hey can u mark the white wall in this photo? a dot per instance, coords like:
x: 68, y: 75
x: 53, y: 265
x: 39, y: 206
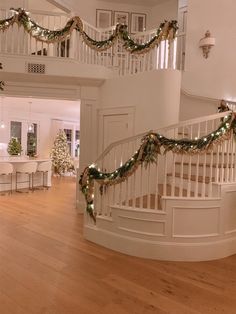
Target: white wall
x: 7, y: 4
x: 87, y: 9
x: 166, y: 10
x: 42, y: 5
x: 155, y: 95
x: 213, y: 77
x: 193, y: 107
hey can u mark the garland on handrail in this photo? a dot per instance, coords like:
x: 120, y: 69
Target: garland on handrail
x: 2, y: 83
x: 166, y: 31
x: 148, y: 153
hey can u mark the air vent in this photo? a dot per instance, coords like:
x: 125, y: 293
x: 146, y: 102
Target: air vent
x: 36, y: 68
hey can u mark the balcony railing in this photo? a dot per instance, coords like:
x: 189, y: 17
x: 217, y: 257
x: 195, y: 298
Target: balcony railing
x: 15, y: 41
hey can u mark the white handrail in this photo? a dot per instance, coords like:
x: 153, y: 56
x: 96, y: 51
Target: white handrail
x: 164, y: 129
x: 41, y: 12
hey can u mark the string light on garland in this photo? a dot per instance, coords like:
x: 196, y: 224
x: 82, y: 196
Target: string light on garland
x: 166, y: 31
x: 148, y: 152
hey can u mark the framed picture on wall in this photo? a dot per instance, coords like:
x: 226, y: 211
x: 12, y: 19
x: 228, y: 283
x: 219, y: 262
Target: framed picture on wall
x: 103, y: 18
x: 138, y: 22
x: 121, y: 17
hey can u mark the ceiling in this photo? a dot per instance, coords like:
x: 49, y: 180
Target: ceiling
x: 55, y: 108
x: 137, y: 2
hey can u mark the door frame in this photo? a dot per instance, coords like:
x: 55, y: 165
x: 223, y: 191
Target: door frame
x: 130, y: 111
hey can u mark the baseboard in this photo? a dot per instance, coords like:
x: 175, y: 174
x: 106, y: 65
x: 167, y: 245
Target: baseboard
x: 169, y: 251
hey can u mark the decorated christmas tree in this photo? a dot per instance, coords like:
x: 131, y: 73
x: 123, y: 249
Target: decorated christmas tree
x: 61, y: 159
x: 14, y: 147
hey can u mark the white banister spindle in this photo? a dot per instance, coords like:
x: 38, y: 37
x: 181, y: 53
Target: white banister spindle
x: 197, y: 177
x: 133, y: 189
x: 141, y: 186
x: 227, y: 172
x: 232, y: 159
x: 222, y: 162
x: 191, y: 166
x: 148, y: 185
x: 173, y: 176
x: 217, y: 163
x: 165, y: 176
x: 157, y: 186
x: 181, y: 176
x: 204, y: 178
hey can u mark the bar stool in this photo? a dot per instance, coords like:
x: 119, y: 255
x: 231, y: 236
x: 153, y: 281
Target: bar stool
x: 26, y: 168
x: 44, y: 168
x: 6, y: 169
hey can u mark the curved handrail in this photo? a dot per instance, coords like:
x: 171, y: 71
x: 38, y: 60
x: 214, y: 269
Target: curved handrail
x: 186, y: 93
x: 163, y: 129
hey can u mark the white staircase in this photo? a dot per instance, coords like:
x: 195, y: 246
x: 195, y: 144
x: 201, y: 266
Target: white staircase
x: 180, y: 208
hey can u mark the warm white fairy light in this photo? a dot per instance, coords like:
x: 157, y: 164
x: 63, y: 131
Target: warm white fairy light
x: 2, y: 125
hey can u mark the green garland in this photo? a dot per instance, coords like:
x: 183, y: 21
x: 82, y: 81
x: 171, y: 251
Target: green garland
x: 2, y: 83
x: 148, y: 153
x: 166, y: 31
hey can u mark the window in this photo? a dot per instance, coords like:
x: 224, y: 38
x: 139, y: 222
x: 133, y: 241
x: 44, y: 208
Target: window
x: 32, y: 141
x: 138, y: 22
x: 16, y: 128
x: 28, y: 139
x: 77, y: 142
x: 68, y: 133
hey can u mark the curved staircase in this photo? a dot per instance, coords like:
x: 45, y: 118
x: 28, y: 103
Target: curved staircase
x: 180, y: 208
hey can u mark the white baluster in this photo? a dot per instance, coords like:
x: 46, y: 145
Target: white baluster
x: 165, y: 176
x: 157, y: 185
x: 148, y: 173
x: 227, y: 172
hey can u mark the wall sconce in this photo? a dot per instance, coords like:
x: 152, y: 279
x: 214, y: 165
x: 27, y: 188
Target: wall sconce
x: 206, y: 43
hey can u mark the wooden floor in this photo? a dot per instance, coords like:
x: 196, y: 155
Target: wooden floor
x: 46, y: 267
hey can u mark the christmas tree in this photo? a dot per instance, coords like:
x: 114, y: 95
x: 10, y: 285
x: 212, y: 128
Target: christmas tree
x: 14, y: 147
x: 61, y: 159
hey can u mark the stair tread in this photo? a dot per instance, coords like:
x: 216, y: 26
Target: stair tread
x: 202, y: 164
x: 192, y: 177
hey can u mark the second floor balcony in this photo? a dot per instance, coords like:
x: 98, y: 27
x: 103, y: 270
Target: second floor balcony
x: 76, y: 47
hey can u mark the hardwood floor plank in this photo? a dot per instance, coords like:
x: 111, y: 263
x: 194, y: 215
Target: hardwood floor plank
x: 8, y: 306
x: 47, y: 267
